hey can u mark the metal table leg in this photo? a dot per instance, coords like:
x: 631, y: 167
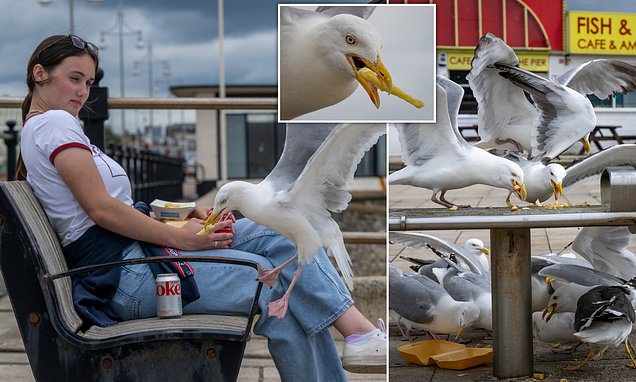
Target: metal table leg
x: 511, y: 302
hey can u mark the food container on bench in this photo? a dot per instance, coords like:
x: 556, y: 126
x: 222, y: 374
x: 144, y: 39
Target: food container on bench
x: 420, y: 352
x: 171, y: 210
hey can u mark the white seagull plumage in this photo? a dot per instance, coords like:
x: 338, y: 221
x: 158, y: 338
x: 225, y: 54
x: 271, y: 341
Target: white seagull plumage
x: 606, y: 249
x: 421, y: 303
x: 296, y: 198
x: 562, y: 114
x: 320, y: 54
x: 438, y: 158
x: 557, y: 117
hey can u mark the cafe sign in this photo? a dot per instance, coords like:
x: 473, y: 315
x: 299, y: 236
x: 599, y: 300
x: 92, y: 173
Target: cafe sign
x: 535, y: 61
x: 601, y: 33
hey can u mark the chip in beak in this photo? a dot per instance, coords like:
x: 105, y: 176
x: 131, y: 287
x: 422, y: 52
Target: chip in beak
x: 210, y: 221
x: 557, y: 189
x: 382, y: 74
x: 519, y: 189
x: 548, y: 312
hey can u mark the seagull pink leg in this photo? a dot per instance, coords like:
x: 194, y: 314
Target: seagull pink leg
x: 278, y: 308
x: 269, y: 276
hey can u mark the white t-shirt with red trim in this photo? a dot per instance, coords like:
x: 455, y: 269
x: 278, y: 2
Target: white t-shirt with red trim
x: 43, y: 137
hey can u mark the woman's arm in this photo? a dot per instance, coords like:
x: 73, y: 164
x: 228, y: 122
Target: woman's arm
x: 77, y: 168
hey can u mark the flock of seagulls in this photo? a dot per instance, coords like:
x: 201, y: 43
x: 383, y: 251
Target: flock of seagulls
x: 574, y: 302
x: 525, y: 121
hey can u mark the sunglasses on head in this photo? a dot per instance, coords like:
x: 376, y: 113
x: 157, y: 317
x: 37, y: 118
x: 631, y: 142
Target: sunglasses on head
x: 77, y: 42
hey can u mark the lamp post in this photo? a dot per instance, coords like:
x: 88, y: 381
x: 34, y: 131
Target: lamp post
x: 149, y: 61
x: 71, y: 11
x: 119, y: 31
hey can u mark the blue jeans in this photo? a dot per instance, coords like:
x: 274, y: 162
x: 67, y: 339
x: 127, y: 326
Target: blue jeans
x: 300, y: 344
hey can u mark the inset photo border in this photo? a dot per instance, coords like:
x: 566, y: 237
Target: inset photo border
x: 320, y: 44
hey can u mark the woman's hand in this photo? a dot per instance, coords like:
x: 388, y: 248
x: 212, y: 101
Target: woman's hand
x: 214, y: 240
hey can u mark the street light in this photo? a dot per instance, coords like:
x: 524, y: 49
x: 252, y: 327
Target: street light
x: 118, y: 30
x: 149, y: 61
x: 71, y: 11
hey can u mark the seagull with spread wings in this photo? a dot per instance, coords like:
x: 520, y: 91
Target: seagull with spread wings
x: 437, y: 157
x: 296, y: 198
x: 543, y: 117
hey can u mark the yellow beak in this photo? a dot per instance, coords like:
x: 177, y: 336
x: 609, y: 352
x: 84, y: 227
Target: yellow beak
x: 557, y: 189
x: 379, y: 72
x: 370, y: 77
x: 586, y: 145
x: 485, y: 251
x: 459, y: 332
x: 548, y: 312
x: 519, y: 189
x: 210, y: 221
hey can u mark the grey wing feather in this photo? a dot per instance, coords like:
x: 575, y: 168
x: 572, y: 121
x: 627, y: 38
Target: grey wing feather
x: 301, y: 141
x: 606, y: 249
x: 420, y: 240
x: 421, y: 142
x: 454, y: 95
x: 413, y: 298
x: 580, y: 275
x: 619, y: 155
x: 290, y: 16
x: 601, y: 77
x: 363, y: 12
x: 466, y: 286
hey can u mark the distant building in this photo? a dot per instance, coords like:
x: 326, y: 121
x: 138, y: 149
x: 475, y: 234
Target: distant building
x: 547, y: 38
x: 253, y: 140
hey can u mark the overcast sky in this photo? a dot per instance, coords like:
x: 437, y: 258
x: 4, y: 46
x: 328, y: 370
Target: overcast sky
x: 184, y: 33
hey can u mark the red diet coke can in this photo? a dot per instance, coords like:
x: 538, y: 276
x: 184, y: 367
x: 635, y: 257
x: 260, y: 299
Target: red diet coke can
x: 168, y: 289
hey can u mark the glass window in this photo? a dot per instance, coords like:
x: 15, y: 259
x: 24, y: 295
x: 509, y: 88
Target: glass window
x: 236, y: 150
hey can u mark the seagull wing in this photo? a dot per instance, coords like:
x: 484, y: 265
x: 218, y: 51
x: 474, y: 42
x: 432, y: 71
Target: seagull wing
x: 619, y: 155
x: 320, y: 187
x: 301, y: 142
x: 363, y: 12
x: 421, y: 240
x: 421, y: 142
x: 413, y: 297
x: 292, y: 17
x: 565, y: 115
x: 580, y: 275
x: 601, y: 77
x: 502, y: 105
x: 454, y: 95
x: 606, y: 249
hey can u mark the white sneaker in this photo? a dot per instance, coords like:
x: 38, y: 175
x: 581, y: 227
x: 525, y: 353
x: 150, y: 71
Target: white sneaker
x: 366, y: 353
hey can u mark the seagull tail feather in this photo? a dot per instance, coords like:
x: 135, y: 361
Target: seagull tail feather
x: 339, y: 253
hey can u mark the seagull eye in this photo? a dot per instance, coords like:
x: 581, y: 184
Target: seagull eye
x: 350, y: 39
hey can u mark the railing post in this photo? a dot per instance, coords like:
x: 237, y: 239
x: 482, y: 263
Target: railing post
x: 11, y: 140
x: 95, y: 112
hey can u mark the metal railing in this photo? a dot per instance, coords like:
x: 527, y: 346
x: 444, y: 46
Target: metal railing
x: 174, y: 103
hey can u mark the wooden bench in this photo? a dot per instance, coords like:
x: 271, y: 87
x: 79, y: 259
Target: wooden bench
x: 190, y: 348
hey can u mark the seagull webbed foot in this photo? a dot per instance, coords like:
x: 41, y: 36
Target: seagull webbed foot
x: 269, y: 276
x: 278, y: 308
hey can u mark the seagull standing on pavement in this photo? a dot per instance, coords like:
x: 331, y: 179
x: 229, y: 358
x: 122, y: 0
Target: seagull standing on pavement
x: 297, y: 197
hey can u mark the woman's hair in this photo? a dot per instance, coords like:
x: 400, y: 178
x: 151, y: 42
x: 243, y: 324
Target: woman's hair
x: 50, y: 53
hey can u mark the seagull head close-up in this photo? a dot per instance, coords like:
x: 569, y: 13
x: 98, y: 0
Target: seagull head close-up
x: 351, y: 43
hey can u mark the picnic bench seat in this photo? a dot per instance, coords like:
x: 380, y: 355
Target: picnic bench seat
x: 58, y: 344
